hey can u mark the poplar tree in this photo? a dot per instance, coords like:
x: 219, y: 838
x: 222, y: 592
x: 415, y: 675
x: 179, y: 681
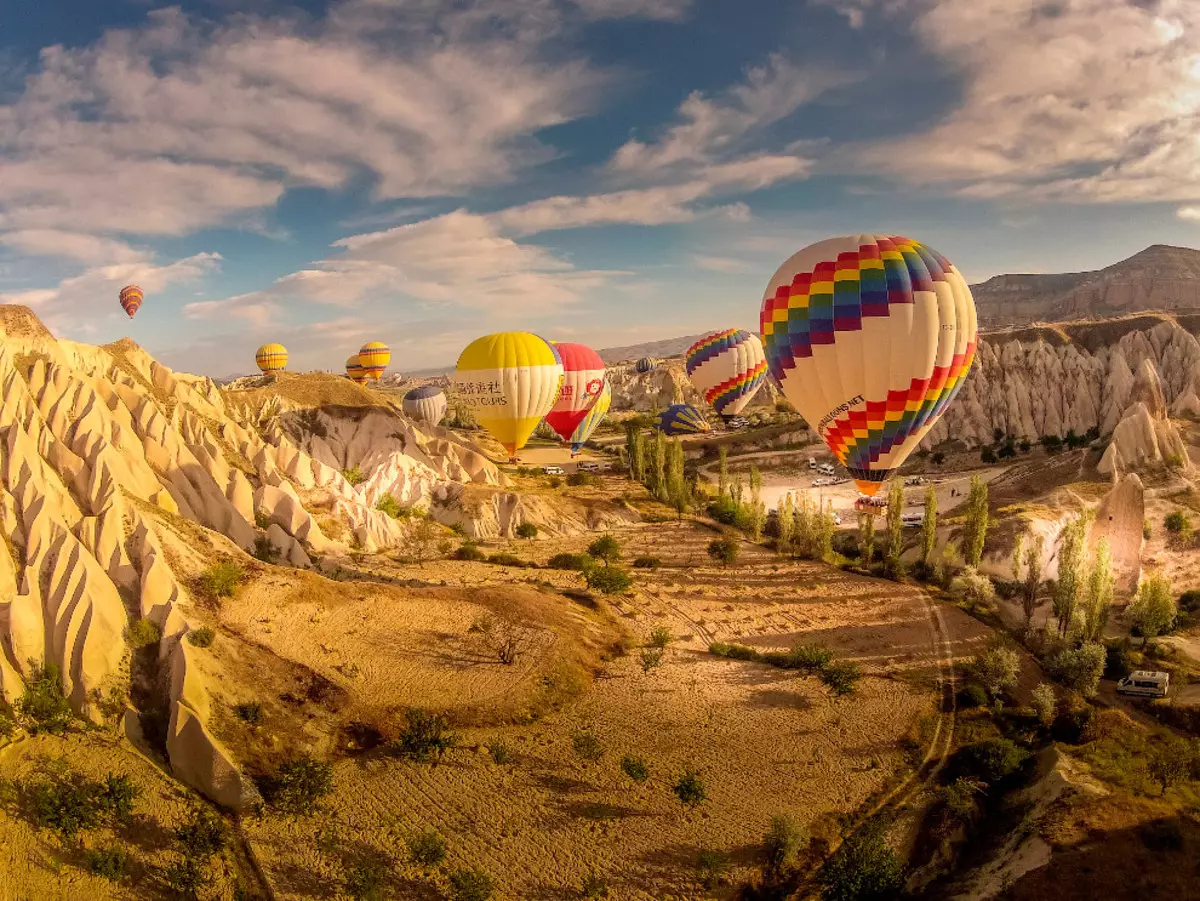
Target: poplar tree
x: 786, y: 520
x: 895, y: 525
x: 866, y: 538
x: 929, y: 527
x: 977, y: 522
x: 1070, y: 574
x: 1033, y: 578
x: 1099, y: 597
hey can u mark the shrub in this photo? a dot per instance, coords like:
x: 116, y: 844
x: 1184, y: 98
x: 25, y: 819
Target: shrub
x: 187, y: 876
x: 427, y: 848
x: 864, y: 868
x: 987, y: 455
x: 469, y: 550
x: 72, y: 803
x: 203, y: 835
x: 608, y: 579
x: 973, y: 589
x: 647, y: 563
x: 587, y: 746
x: 470, y: 885
x: 143, y: 632
x: 506, y: 559
x: 577, y: 479
x: 594, y: 886
x: 841, y: 678
x: 353, y: 475
x: 635, y: 768
x: 724, y: 550
x: 426, y: 736
x: 690, y: 789
x: 810, y: 658
x: 651, y: 658
x: 992, y: 760
x: 389, y: 505
x: 733, y: 651
x: 974, y: 695
x: 1178, y: 523
x: 997, y: 668
x: 959, y: 798
x: 297, y: 786
x: 1170, y: 764
x: 575, y: 562
x: 7, y: 727
x: 202, y: 637
x: 660, y: 637
x: 1080, y: 668
x: 605, y: 548
x: 249, y: 712
x: 1153, y: 610
x: 1044, y: 703
x: 221, y: 580
x: 117, y: 797
x: 1117, y: 661
x: 364, y: 879
x: 1072, y: 723
x: 107, y: 862
x: 264, y: 550
x: 1189, y: 601
x: 43, y: 707
x: 712, y: 867
x: 499, y: 751
x: 527, y: 530
x: 783, y: 843
x: 937, y: 458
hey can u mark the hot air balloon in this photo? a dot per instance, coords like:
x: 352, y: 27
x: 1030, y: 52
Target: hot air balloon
x: 871, y: 337
x: 584, y: 430
x: 354, y: 370
x: 509, y: 380
x: 131, y: 299
x: 645, y: 364
x: 374, y: 357
x: 271, y: 358
x: 682, y: 419
x: 425, y: 404
x: 727, y: 367
x: 583, y: 382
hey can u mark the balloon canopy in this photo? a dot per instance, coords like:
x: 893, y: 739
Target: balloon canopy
x: 584, y: 430
x: 271, y: 358
x: 374, y: 357
x: 728, y: 368
x: 583, y: 382
x: 682, y: 419
x: 870, y: 337
x: 131, y: 298
x: 426, y: 403
x: 354, y: 370
x: 509, y: 381
x: 645, y: 364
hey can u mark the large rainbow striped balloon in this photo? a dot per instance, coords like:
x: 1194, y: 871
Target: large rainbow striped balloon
x: 727, y: 367
x: 871, y: 337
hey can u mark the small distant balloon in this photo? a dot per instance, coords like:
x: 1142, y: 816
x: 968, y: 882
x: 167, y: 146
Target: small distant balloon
x: 374, y: 357
x: 131, y: 298
x: 271, y: 358
x: 426, y: 403
x: 584, y: 430
x: 682, y: 419
x: 645, y: 364
x: 354, y: 370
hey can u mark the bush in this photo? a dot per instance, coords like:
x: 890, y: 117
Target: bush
x: 43, y: 707
x: 187, y: 876
x: 651, y: 658
x: 143, y: 632
x: 203, y: 835
x: 992, y: 760
x: 7, y: 727
x: 577, y: 479
x: 987, y: 455
x: 221, y: 580
x: 1189, y: 601
x: 997, y: 668
x: 470, y: 885
x: 724, y: 550
x: 527, y: 530
x: 426, y: 736
x: 937, y: 458
x: 353, y: 475
x: 1178, y: 523
x: 264, y: 550
x: 389, y: 505
x: 973, y: 589
x: 469, y: 550
x: 783, y: 843
x: 72, y: 803
x: 733, y: 651
x: 864, y: 868
x: 608, y: 579
x: 959, y: 798
x: 1072, y: 723
x: 712, y: 867
x: 594, y: 886
x: 1153, y: 610
x: 575, y: 562
x: 1170, y: 764
x: 647, y: 563
x: 660, y: 637
x: 506, y: 559
x: 499, y: 752
x: 298, y: 785
x: 365, y: 879
x: 605, y: 548
x: 841, y: 678
x: 249, y: 712
x: 690, y: 789
x: 107, y: 862
x: 1117, y: 661
x: 635, y: 768
x: 810, y: 658
x: 427, y: 848
x: 1080, y: 668
x: 587, y: 746
x: 202, y: 637
x: 974, y: 695
x: 1044, y: 703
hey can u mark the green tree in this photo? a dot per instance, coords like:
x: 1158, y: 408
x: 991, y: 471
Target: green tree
x: 1033, y: 578
x: 634, y: 451
x: 997, y: 668
x: 724, y: 550
x: 786, y: 521
x: 977, y: 522
x: 657, y: 483
x: 1099, y: 593
x: 679, y: 492
x: 802, y: 525
x: 757, y: 511
x: 527, y: 530
x: 929, y: 527
x: 1179, y: 524
x: 895, y: 525
x: 1018, y: 549
x: 1070, y: 573
x: 866, y: 538
x: 605, y: 548
x: 824, y: 533
x: 1153, y: 610
x: 722, y: 470
x: 864, y: 868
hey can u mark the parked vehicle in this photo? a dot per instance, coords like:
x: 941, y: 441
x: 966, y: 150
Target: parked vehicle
x: 553, y: 470
x: 912, y: 519
x: 812, y: 462
x: 914, y: 480
x: 589, y: 467
x: 738, y: 422
x: 825, y: 469
x: 1145, y: 684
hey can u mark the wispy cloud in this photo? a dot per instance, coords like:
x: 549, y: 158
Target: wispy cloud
x: 1189, y: 213
x: 665, y: 10
x: 73, y: 246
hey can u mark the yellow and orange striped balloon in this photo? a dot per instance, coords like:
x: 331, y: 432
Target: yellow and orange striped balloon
x: 374, y: 357
x: 271, y: 358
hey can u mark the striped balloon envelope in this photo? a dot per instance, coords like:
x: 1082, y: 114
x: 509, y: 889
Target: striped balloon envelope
x: 645, y: 364
x: 271, y: 358
x: 583, y: 382
x: 131, y: 298
x: 354, y: 370
x: 374, y: 357
x: 682, y: 419
x: 584, y: 430
x: 426, y: 403
x: 509, y: 381
x: 728, y: 368
x: 870, y: 337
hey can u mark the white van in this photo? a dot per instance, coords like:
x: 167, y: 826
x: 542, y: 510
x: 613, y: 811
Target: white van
x: 812, y: 462
x: 1146, y: 684
x: 826, y: 469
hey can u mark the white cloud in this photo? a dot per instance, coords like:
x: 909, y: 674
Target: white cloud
x: 1189, y: 213
x: 1072, y: 101
x: 665, y: 10
x: 73, y: 246
x: 720, y: 264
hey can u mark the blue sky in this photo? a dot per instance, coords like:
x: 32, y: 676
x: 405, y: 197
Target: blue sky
x: 609, y: 171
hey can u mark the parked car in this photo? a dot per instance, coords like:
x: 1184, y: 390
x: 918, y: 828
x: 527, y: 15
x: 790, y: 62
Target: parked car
x: 1145, y: 684
x: 553, y: 470
x: 738, y: 422
x: 915, y: 480
x: 812, y: 462
x: 589, y: 467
